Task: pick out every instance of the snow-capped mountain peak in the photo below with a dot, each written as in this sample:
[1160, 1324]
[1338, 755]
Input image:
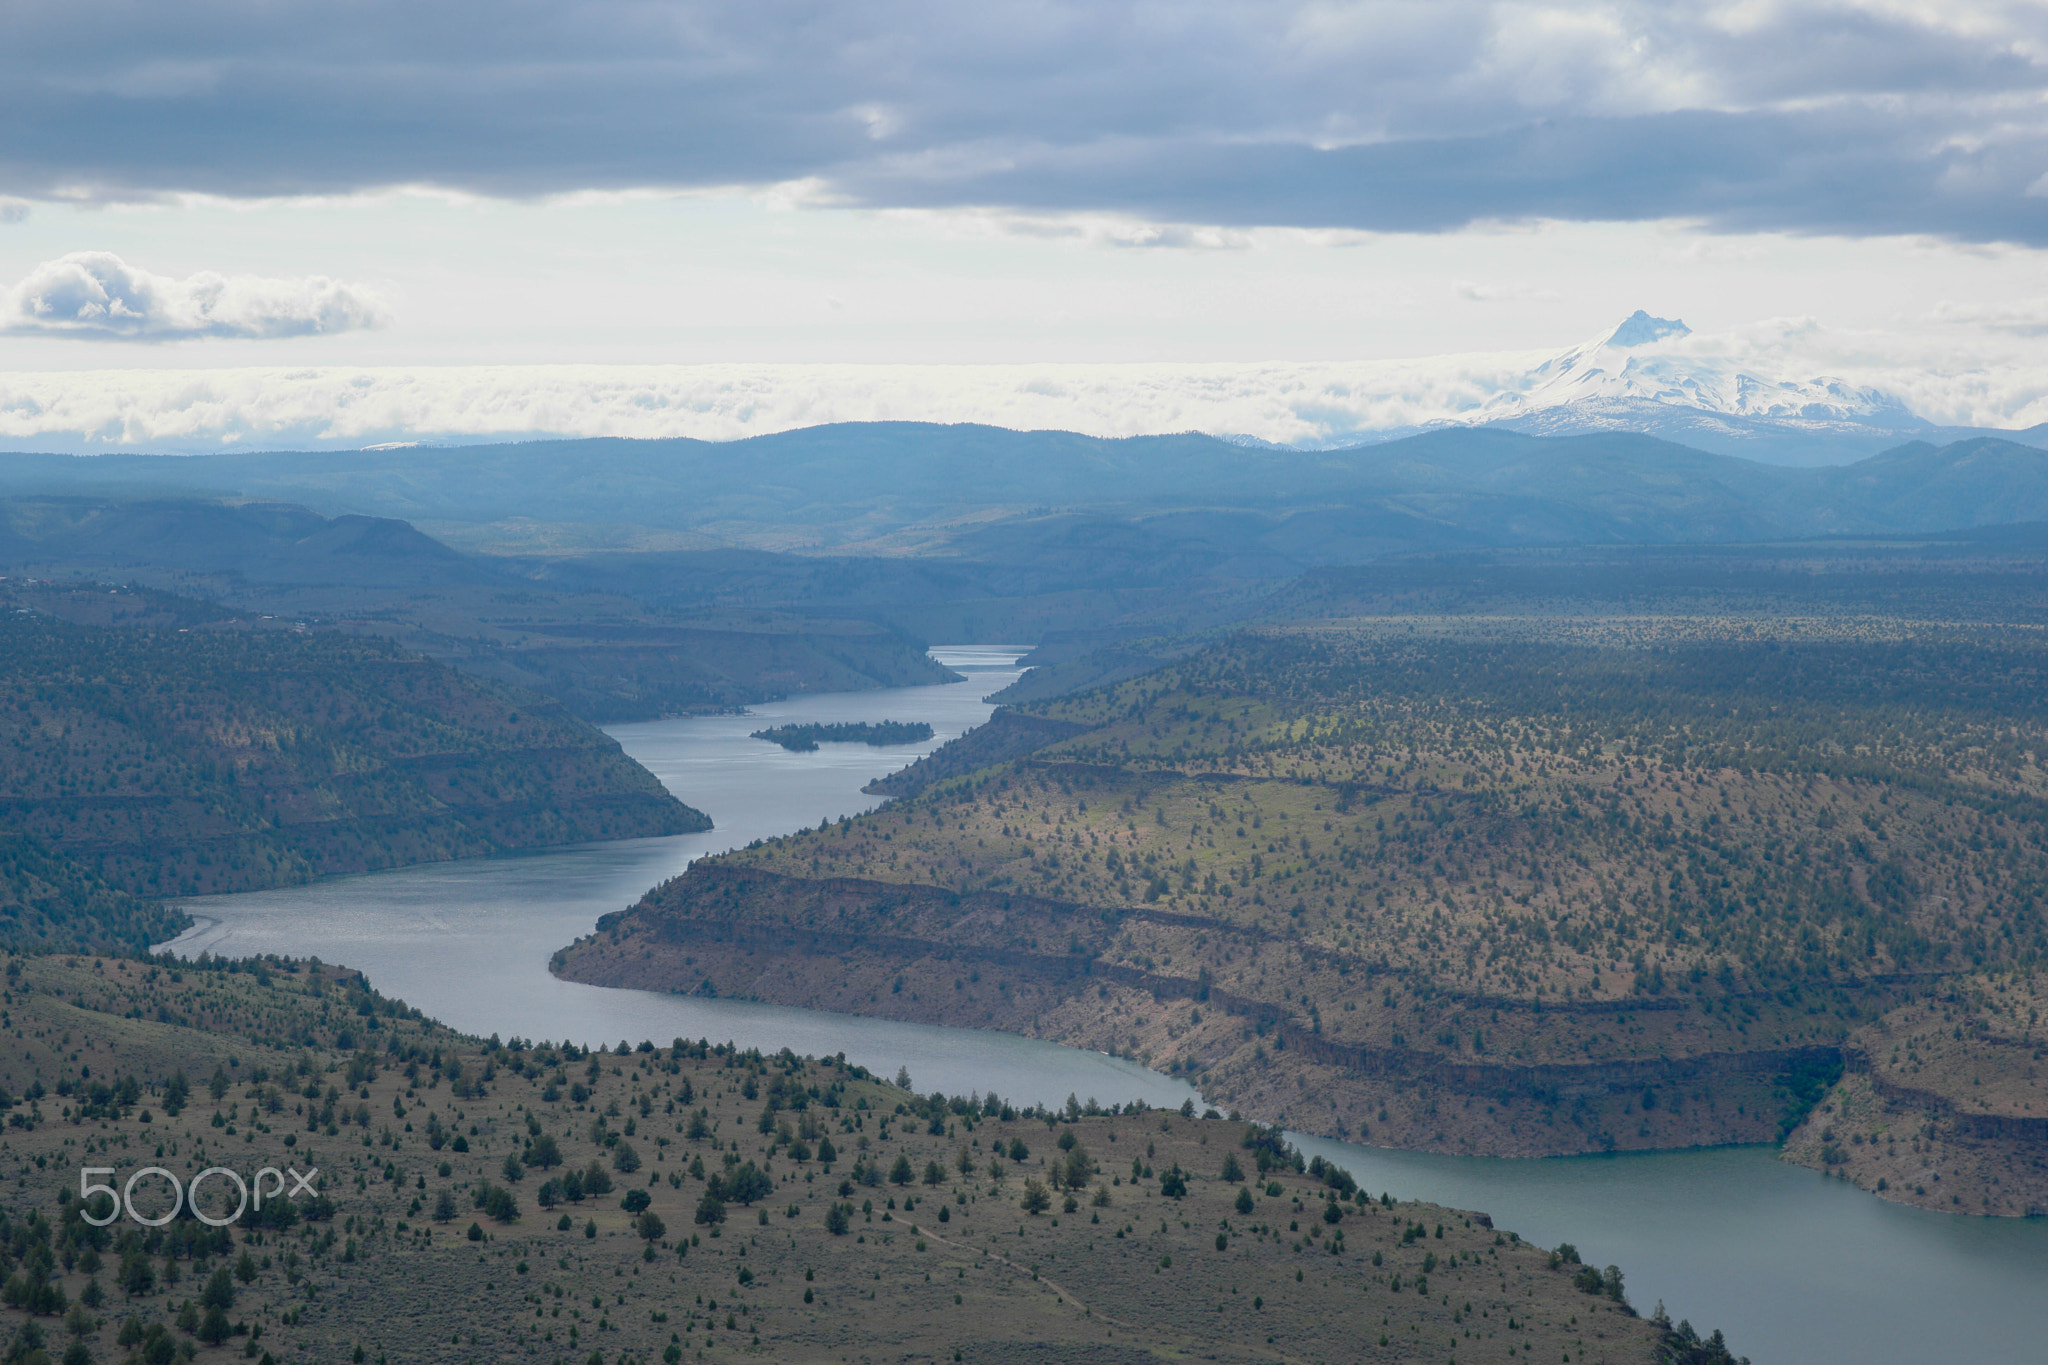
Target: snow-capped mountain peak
[1640, 329]
[1648, 360]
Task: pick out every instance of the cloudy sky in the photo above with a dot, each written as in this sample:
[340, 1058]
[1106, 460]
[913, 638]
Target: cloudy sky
[275, 220]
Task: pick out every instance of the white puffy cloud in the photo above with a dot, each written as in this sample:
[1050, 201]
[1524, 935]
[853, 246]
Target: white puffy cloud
[1943, 376]
[96, 294]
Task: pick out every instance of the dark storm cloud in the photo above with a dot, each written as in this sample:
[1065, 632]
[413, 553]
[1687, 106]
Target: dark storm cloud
[1810, 172]
[1796, 115]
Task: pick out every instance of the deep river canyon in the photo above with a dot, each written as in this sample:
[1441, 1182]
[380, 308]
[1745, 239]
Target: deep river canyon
[1796, 1268]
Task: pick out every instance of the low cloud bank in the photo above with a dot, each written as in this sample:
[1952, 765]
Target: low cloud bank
[309, 408]
[96, 294]
[1939, 376]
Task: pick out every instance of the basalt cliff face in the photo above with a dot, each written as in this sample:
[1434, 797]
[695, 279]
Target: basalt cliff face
[1509, 897]
[1944, 1101]
[1040, 967]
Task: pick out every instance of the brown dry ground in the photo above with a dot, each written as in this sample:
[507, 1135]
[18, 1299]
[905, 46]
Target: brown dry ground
[1945, 1104]
[1473, 1018]
[1267, 1072]
[1502, 898]
[952, 1270]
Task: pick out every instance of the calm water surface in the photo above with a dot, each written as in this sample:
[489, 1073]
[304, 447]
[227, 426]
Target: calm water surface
[1797, 1269]
[468, 942]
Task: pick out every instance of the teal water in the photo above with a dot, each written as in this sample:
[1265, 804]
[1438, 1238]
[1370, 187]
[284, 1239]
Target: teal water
[1797, 1269]
[469, 942]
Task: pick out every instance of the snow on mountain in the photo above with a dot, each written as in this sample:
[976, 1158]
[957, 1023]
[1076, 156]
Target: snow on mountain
[1645, 375]
[1750, 392]
[1641, 361]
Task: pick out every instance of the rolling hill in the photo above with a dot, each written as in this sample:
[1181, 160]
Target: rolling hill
[983, 493]
[179, 751]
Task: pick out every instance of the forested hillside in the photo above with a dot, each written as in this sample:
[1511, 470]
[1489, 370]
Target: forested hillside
[587, 640]
[1508, 895]
[164, 759]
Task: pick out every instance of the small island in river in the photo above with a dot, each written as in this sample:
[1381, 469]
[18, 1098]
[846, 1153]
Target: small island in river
[804, 738]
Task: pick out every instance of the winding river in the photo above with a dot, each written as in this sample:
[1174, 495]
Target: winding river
[1797, 1269]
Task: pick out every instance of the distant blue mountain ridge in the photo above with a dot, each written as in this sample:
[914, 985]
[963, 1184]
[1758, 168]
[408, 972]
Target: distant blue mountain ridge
[913, 488]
